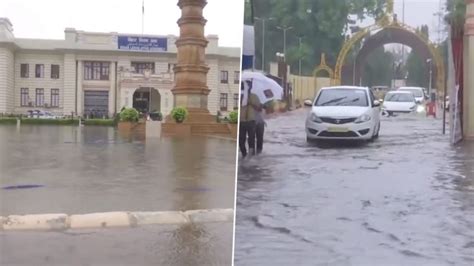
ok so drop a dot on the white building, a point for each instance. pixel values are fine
(97, 74)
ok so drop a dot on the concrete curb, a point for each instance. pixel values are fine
(61, 221)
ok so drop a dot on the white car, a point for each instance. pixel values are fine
(344, 112)
(418, 92)
(399, 102)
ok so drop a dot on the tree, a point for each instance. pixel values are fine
(323, 23)
(417, 68)
(379, 69)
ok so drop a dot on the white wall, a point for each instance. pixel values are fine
(46, 82)
(6, 80)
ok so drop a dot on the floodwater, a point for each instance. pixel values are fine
(405, 199)
(70, 169)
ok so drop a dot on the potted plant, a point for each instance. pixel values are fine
(128, 117)
(179, 114)
(233, 120)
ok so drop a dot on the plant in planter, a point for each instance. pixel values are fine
(129, 115)
(233, 117)
(179, 114)
(233, 120)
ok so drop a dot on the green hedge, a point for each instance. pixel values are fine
(7, 120)
(35, 121)
(100, 122)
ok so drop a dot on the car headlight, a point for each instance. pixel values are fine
(362, 119)
(315, 118)
(420, 108)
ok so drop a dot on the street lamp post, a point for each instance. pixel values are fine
(263, 39)
(299, 61)
(431, 75)
(284, 29)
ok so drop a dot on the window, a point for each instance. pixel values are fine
(96, 70)
(39, 97)
(236, 77)
(223, 102)
(140, 67)
(236, 101)
(39, 71)
(224, 77)
(24, 97)
(54, 71)
(54, 97)
(171, 67)
(25, 70)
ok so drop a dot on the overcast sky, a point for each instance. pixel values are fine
(47, 19)
(419, 12)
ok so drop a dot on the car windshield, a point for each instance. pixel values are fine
(416, 92)
(342, 97)
(399, 97)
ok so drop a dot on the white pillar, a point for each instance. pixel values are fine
(468, 56)
(80, 90)
(112, 89)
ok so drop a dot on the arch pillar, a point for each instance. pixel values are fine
(468, 55)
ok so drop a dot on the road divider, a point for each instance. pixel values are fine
(61, 221)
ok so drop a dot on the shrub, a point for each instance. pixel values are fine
(100, 122)
(129, 115)
(179, 114)
(7, 120)
(233, 117)
(36, 121)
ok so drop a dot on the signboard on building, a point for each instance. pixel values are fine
(146, 44)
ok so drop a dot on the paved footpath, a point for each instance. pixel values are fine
(197, 237)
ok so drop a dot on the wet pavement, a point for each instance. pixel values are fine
(405, 199)
(195, 244)
(70, 169)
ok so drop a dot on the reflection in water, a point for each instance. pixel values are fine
(89, 169)
(189, 179)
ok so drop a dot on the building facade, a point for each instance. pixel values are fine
(97, 74)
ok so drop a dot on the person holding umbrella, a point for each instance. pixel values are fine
(249, 106)
(260, 126)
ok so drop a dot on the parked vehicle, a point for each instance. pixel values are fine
(399, 102)
(42, 114)
(344, 112)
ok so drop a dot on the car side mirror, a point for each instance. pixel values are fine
(376, 103)
(308, 103)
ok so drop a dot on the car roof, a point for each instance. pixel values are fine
(399, 92)
(345, 87)
(410, 88)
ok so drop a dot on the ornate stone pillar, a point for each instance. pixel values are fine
(468, 101)
(191, 89)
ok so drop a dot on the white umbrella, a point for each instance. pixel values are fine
(266, 89)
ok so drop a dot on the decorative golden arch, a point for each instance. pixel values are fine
(323, 67)
(388, 22)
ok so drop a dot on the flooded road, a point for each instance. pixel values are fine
(187, 245)
(405, 199)
(63, 169)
